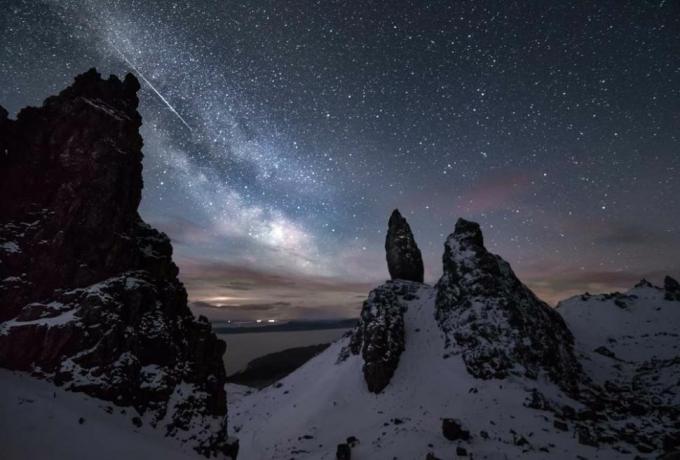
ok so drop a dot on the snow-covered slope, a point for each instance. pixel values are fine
(629, 344)
(638, 325)
(314, 409)
(42, 421)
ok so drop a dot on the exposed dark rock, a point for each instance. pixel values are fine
(352, 441)
(453, 430)
(498, 325)
(90, 295)
(520, 441)
(560, 425)
(643, 283)
(671, 442)
(538, 401)
(431, 456)
(404, 260)
(343, 452)
(604, 351)
(586, 438)
(672, 288)
(379, 336)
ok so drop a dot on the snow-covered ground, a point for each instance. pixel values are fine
(41, 421)
(637, 325)
(317, 407)
(619, 338)
(631, 339)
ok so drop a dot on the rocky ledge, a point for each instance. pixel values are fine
(89, 294)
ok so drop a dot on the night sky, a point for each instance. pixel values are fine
(280, 135)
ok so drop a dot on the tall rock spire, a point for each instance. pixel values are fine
(404, 260)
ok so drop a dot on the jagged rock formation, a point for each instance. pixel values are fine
(494, 321)
(89, 295)
(672, 288)
(404, 260)
(380, 336)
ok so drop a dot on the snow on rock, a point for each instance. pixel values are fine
(379, 336)
(496, 323)
(90, 298)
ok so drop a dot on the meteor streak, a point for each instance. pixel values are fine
(165, 101)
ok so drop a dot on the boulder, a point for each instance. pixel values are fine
(453, 430)
(343, 452)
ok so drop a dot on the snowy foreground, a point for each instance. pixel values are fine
(41, 421)
(325, 402)
(310, 412)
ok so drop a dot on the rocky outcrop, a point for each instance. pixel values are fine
(89, 295)
(379, 337)
(494, 321)
(672, 288)
(404, 260)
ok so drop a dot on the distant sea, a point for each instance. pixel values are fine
(244, 345)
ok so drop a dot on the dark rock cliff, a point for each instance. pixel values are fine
(379, 337)
(672, 288)
(498, 325)
(404, 260)
(89, 295)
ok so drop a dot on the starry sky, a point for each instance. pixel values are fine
(279, 135)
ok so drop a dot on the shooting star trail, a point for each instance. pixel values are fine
(165, 101)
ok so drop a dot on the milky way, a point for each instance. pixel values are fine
(299, 126)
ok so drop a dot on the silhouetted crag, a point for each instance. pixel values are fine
(89, 295)
(404, 260)
(672, 288)
(498, 325)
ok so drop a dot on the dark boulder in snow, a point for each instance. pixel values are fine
(89, 294)
(494, 321)
(379, 336)
(343, 452)
(453, 430)
(404, 260)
